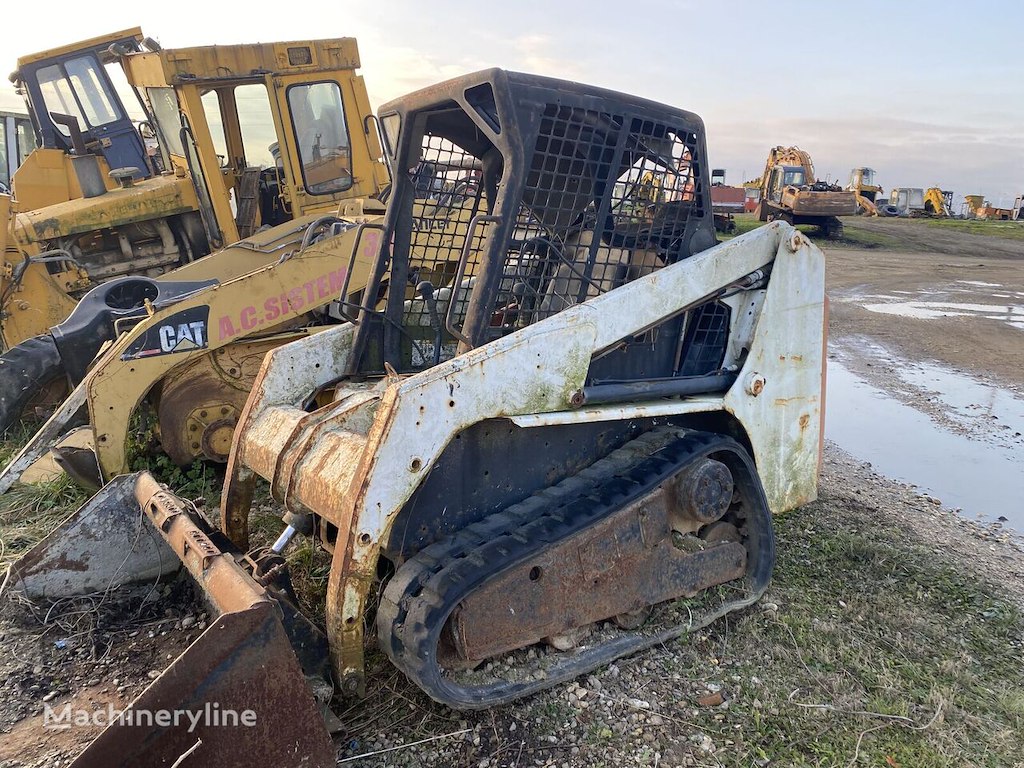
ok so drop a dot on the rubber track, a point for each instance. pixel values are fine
(427, 588)
(24, 369)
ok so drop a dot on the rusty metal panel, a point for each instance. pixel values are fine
(105, 544)
(626, 562)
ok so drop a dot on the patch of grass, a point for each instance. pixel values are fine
(30, 512)
(1008, 230)
(855, 237)
(745, 222)
(878, 649)
(852, 235)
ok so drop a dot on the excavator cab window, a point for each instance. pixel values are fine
(211, 108)
(76, 89)
(164, 104)
(318, 118)
(794, 177)
(81, 87)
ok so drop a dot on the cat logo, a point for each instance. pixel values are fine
(182, 337)
(183, 331)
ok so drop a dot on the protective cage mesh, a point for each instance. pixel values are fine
(606, 198)
(447, 182)
(601, 206)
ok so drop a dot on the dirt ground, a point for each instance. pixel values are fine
(816, 674)
(933, 295)
(945, 270)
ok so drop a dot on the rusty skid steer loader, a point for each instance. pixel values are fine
(567, 452)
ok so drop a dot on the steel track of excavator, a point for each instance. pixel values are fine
(419, 617)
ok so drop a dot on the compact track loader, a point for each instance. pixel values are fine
(566, 450)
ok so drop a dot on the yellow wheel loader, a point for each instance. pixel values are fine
(564, 450)
(250, 136)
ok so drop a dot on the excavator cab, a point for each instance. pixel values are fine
(86, 119)
(76, 106)
(17, 140)
(270, 132)
(785, 176)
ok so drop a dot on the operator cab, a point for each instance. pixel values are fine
(76, 107)
(17, 141)
(862, 177)
(785, 176)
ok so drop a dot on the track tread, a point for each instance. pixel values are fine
(418, 600)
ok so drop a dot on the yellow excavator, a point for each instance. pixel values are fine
(251, 137)
(550, 436)
(790, 192)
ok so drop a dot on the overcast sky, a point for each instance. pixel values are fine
(927, 94)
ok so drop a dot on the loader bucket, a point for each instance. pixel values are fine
(239, 689)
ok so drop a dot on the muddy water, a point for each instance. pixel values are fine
(981, 476)
(964, 298)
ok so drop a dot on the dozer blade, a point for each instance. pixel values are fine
(239, 689)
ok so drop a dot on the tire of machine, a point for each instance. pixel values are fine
(25, 370)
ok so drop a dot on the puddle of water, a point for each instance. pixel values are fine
(905, 444)
(980, 284)
(1011, 314)
(999, 410)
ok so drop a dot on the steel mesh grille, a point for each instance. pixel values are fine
(448, 190)
(607, 200)
(707, 335)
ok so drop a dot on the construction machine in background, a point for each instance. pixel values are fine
(977, 207)
(991, 212)
(938, 203)
(73, 226)
(726, 201)
(17, 140)
(917, 201)
(789, 191)
(591, 412)
(862, 184)
(905, 201)
(251, 136)
(1018, 209)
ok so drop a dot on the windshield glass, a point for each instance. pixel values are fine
(77, 88)
(164, 104)
(794, 177)
(322, 138)
(26, 139)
